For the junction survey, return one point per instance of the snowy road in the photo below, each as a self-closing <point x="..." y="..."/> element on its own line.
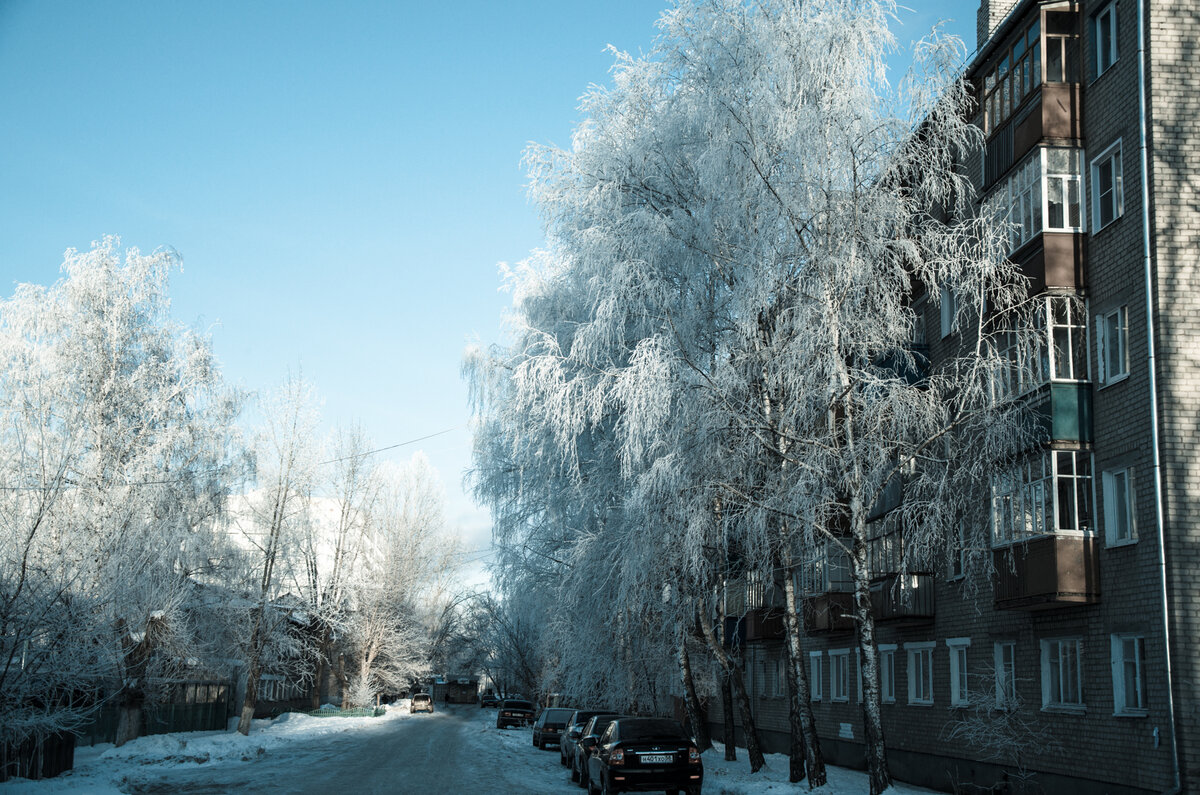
<point x="455" y="750"/>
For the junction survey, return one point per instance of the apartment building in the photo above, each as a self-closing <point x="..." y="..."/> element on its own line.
<point x="1084" y="648"/>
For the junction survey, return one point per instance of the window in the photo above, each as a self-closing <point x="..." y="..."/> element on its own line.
<point x="1062" y="47"/>
<point x="1062" y="685"/>
<point x="1107" y="193"/>
<point x="1118" y="506"/>
<point x="949" y="308"/>
<point x="1112" y="345"/>
<point x="887" y="673"/>
<point x="1017" y="73"/>
<point x="826" y="570"/>
<point x="839" y="675"/>
<point x="1048" y="343"/>
<point x="920" y="672"/>
<point x="814" y="675"/>
<point x="1129" y="690"/>
<point x="1045" y="192"/>
<point x="1104" y="26"/>
<point x="1046" y="493"/>
<point x="1005" y="662"/>
<point x="959" y="688"/>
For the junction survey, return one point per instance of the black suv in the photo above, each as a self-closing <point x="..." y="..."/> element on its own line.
<point x="645" y="754"/>
<point x="514" y="712"/>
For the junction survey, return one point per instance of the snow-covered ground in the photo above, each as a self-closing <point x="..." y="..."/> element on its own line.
<point x="287" y="742"/>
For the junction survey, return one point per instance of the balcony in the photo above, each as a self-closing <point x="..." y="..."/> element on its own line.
<point x="829" y="612"/>
<point x="1047" y="572"/>
<point x="1064" y="410"/>
<point x="1053" y="111"/>
<point x="1054" y="260"/>
<point x="902" y="597"/>
<point x="764" y="624"/>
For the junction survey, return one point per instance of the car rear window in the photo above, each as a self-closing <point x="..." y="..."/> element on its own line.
<point x="421" y="697"/>
<point x="557" y="715"/>
<point x="633" y="728"/>
<point x="518" y="704"/>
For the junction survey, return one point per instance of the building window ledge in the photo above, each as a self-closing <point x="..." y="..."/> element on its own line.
<point x="1065" y="709"/>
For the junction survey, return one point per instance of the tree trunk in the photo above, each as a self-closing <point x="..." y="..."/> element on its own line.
<point x="253" y="671"/>
<point x="727" y="717"/>
<point x="318" y="683"/>
<point x="734" y="669"/>
<point x="129" y="719"/>
<point x="343" y="680"/>
<point x="805" y="744"/>
<point x="864" y="620"/>
<point x="695" y="714"/>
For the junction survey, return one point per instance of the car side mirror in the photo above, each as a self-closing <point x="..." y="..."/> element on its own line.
<point x="588" y="742"/>
<point x="573" y="734"/>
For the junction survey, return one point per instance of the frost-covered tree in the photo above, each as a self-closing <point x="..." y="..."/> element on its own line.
<point x="277" y="510"/>
<point x="117" y="454"/>
<point x="738" y="238"/>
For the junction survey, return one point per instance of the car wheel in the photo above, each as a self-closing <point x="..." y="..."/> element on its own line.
<point x="607" y="788"/>
<point x="562" y="755"/>
<point x="574" y="773"/>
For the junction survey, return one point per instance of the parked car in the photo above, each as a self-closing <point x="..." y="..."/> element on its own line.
<point x="421" y="702"/>
<point x="549" y="726"/>
<point x="639" y="754"/>
<point x="572" y="732"/>
<point x="588" y="737"/>
<point x="514" y="712"/>
<point x="488" y="700"/>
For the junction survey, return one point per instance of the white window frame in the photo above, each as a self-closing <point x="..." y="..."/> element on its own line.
<point x="1120" y="527"/>
<point x="839" y="674"/>
<point x="815" y="676"/>
<point x="920" y="672"/>
<point x="1112" y="342"/>
<point x="1062" y="675"/>
<point x="959" y="684"/>
<point x="1004" y="662"/>
<point x="1026" y="500"/>
<point x="1129" y="656"/>
<point x="887" y="673"/>
<point x="1104" y="27"/>
<point x="1112" y="154"/>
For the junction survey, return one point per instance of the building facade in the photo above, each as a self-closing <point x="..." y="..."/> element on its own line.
<point x="1076" y="667"/>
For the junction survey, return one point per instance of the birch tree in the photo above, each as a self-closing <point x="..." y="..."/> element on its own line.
<point x="285" y="461"/>
<point x="743" y="225"/>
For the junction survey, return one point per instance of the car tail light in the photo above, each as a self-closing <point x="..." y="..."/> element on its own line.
<point x="617" y="757"/>
<point x="693" y="755"/>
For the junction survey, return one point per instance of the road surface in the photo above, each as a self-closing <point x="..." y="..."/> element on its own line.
<point x="456" y="750"/>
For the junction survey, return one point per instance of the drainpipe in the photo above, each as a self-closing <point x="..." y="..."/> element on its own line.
<point x="1152" y="367"/>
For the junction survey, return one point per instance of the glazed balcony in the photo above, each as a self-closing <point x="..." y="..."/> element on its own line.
<point x="1047" y="572"/>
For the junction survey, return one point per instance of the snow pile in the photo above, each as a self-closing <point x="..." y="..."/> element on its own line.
<point x="105" y="769"/>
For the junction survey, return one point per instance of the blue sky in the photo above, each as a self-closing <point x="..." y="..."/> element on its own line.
<point x="341" y="178"/>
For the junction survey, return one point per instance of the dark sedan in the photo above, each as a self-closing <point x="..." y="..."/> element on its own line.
<point x="514" y="712"/>
<point x="588" y="737"/>
<point x="549" y="726"/>
<point x="572" y="733"/>
<point x="488" y="700"/>
<point x="640" y="754"/>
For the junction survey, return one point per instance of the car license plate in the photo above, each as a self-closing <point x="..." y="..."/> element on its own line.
<point x="656" y="759"/>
